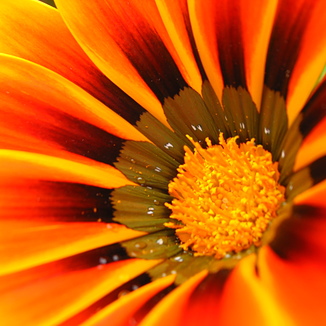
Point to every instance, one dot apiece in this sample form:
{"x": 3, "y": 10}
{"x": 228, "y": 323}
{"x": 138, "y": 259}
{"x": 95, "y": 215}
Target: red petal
{"x": 170, "y": 310}
{"x": 245, "y": 299}
{"x": 298, "y": 287}
{"x": 52, "y": 300}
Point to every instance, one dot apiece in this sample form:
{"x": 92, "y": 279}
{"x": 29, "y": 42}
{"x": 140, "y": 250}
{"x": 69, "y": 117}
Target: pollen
{"x": 225, "y": 197}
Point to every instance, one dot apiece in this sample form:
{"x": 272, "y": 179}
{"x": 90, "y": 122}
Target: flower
{"x": 109, "y": 108}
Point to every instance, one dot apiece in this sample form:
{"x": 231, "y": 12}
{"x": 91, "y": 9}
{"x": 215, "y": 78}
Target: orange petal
{"x": 298, "y": 287}
{"x": 232, "y": 39}
{"x": 24, "y": 32}
{"x": 50, "y": 111}
{"x": 128, "y": 42}
{"x": 246, "y": 299}
{"x": 17, "y": 164}
{"x": 297, "y": 51}
{"x": 313, "y": 128}
{"x": 36, "y": 200}
{"x": 301, "y": 238}
{"x": 52, "y": 300}
{"x": 205, "y": 298}
{"x": 314, "y": 196}
{"x": 28, "y": 244}
{"x": 121, "y": 311}
{"x": 175, "y": 17}
{"x": 170, "y": 310}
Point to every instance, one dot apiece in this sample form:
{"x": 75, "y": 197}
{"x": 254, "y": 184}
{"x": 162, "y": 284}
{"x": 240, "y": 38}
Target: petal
{"x": 246, "y": 299}
{"x": 301, "y": 238}
{"x": 18, "y": 164}
{"x": 28, "y": 244}
{"x": 297, "y": 51}
{"x": 313, "y": 128}
{"x": 121, "y": 311}
{"x": 170, "y": 310}
{"x": 41, "y": 200}
{"x": 206, "y": 298}
{"x": 52, "y": 300}
{"x": 233, "y": 53}
{"x": 314, "y": 196}
{"x": 24, "y": 32}
{"x": 298, "y": 287}
{"x": 120, "y": 37}
{"x": 41, "y": 111}
{"x": 175, "y": 17}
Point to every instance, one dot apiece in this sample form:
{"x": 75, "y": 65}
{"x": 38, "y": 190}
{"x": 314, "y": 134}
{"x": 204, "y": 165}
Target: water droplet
{"x": 140, "y": 245}
{"x": 267, "y": 131}
{"x": 115, "y": 257}
{"x": 173, "y": 272}
{"x": 134, "y": 287}
{"x": 168, "y": 145}
{"x": 193, "y": 127}
{"x": 140, "y": 179}
{"x": 123, "y": 293}
{"x": 242, "y": 125}
{"x": 132, "y": 160}
{"x": 158, "y": 169}
{"x": 156, "y": 202}
{"x": 150, "y": 210}
{"x": 178, "y": 258}
{"x": 283, "y": 154}
{"x": 199, "y": 127}
{"x": 103, "y": 260}
{"x": 160, "y": 241}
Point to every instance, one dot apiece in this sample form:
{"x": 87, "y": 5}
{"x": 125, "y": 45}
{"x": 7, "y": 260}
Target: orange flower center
{"x": 225, "y": 196}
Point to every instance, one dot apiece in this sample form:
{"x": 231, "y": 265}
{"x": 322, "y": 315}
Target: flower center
{"x": 225, "y": 196}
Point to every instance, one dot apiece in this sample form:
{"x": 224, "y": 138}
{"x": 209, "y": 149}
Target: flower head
{"x": 162, "y": 162}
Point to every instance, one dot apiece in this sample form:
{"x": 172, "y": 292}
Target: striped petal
{"x": 121, "y": 43}
{"x": 70, "y": 292}
{"x": 232, "y": 49}
{"x": 294, "y": 72}
{"x": 44, "y": 112}
{"x": 298, "y": 287}
{"x": 24, "y": 32}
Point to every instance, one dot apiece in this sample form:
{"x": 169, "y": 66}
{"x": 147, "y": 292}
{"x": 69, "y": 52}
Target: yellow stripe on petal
{"x": 23, "y": 81}
{"x": 173, "y": 14}
{"x": 29, "y": 244}
{"x": 204, "y": 34}
{"x": 53, "y": 300}
{"x": 120, "y": 311}
{"x": 169, "y": 311}
{"x": 245, "y": 293}
{"x": 18, "y": 164}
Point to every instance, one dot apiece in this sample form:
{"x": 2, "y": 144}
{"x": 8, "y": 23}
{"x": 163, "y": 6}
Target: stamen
{"x": 225, "y": 196}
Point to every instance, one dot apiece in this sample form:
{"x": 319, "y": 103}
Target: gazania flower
{"x": 163, "y": 162}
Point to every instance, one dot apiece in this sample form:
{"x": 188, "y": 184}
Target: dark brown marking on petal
{"x": 148, "y": 54}
{"x": 314, "y": 111}
{"x": 124, "y": 289}
{"x": 284, "y": 46}
{"x": 49, "y": 201}
{"x": 206, "y": 297}
{"x": 292, "y": 240}
{"x": 230, "y": 45}
{"x": 318, "y": 170}
{"x": 149, "y": 305}
{"x": 117, "y": 100}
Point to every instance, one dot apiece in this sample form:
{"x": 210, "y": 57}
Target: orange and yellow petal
{"x": 52, "y": 299}
{"x": 24, "y": 32}
{"x": 232, "y": 39}
{"x": 297, "y": 51}
{"x": 298, "y": 286}
{"x": 121, "y": 42}
{"x": 246, "y": 299}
